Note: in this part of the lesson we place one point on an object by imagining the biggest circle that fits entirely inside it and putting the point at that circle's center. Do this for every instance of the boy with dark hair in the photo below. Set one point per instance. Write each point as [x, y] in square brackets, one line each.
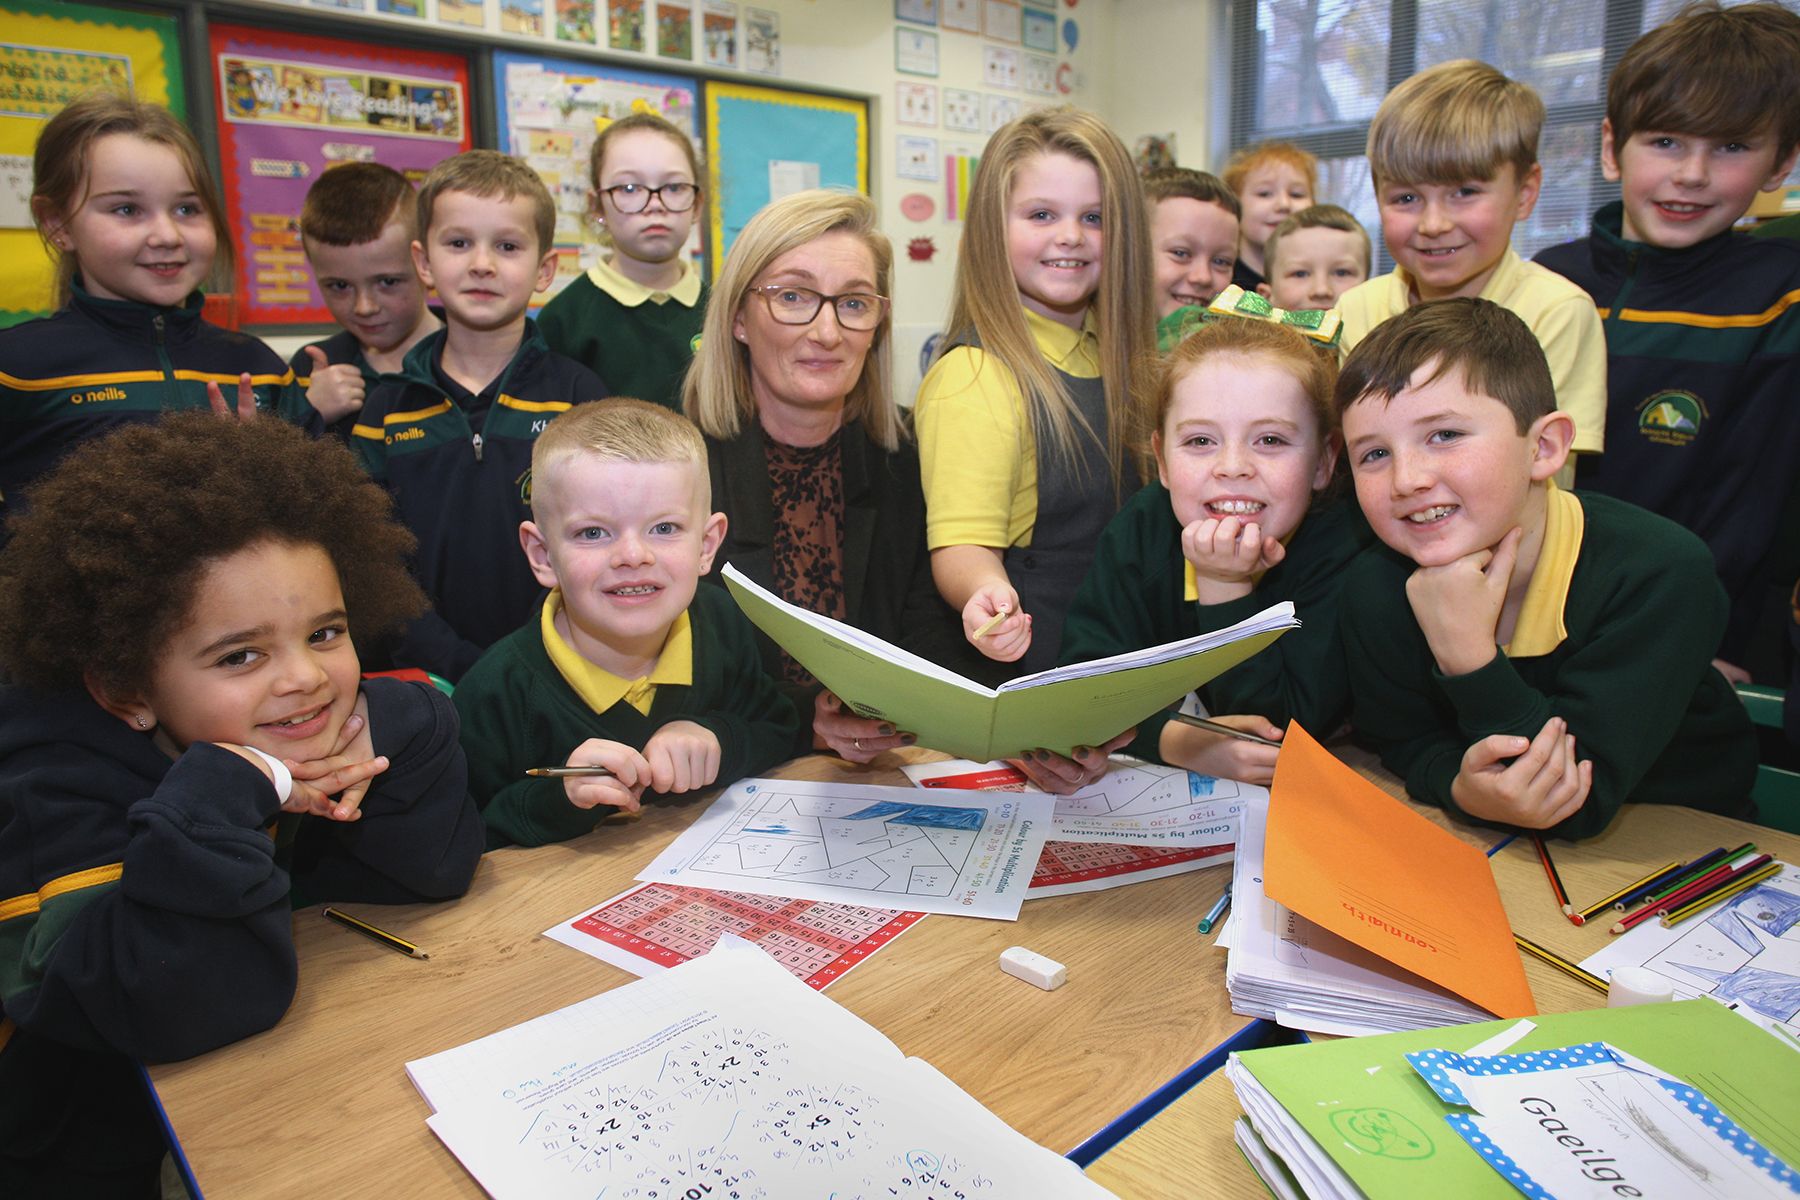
[1524, 656]
[1702, 335]
[629, 664]
[1454, 155]
[357, 229]
[451, 435]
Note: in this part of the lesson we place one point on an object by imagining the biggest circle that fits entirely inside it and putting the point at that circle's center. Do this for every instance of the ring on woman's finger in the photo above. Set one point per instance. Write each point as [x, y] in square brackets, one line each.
[857, 742]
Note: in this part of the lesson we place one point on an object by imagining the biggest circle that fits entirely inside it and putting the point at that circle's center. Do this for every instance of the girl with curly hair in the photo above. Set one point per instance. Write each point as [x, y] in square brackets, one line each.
[185, 742]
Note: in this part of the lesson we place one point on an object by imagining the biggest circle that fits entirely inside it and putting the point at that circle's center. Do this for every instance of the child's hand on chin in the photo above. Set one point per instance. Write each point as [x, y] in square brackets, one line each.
[344, 773]
[621, 789]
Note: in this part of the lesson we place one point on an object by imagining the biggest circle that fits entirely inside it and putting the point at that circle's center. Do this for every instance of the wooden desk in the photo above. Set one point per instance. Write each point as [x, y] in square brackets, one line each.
[1191, 1139]
[321, 1103]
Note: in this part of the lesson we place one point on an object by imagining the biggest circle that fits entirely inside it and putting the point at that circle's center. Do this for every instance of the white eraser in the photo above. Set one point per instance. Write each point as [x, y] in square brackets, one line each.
[1638, 985]
[1033, 968]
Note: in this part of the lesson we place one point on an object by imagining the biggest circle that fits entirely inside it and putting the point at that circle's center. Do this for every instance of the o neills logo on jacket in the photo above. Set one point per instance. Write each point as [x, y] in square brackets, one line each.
[405, 435]
[1671, 418]
[98, 395]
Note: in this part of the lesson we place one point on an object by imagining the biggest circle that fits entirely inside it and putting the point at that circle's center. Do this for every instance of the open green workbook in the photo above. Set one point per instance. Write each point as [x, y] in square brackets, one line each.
[1360, 1104]
[1082, 704]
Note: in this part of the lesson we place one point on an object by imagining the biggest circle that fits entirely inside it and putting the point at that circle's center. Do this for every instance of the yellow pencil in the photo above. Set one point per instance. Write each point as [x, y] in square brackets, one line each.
[988, 625]
[1599, 906]
[374, 934]
[1671, 919]
[1560, 963]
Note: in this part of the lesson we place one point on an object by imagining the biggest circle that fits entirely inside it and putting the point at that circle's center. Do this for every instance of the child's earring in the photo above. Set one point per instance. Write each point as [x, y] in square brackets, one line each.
[143, 722]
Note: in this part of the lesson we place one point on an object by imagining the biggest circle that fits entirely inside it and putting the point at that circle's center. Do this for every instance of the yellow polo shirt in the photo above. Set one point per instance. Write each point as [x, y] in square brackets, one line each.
[977, 455]
[1560, 314]
[631, 293]
[1540, 628]
[599, 688]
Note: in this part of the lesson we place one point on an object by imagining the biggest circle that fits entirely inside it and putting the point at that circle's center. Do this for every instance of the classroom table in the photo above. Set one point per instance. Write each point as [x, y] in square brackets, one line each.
[1191, 1139]
[321, 1104]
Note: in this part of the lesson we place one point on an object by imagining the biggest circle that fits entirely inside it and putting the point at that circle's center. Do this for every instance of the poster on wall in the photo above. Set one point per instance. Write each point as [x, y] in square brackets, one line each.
[762, 41]
[575, 21]
[290, 106]
[625, 24]
[675, 29]
[548, 111]
[50, 54]
[472, 13]
[719, 24]
[523, 17]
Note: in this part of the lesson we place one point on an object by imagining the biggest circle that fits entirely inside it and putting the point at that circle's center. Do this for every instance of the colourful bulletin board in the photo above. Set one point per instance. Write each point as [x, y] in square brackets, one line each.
[289, 107]
[767, 142]
[50, 53]
[548, 111]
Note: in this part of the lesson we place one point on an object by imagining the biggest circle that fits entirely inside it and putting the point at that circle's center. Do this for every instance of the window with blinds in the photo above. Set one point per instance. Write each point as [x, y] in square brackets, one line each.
[1313, 72]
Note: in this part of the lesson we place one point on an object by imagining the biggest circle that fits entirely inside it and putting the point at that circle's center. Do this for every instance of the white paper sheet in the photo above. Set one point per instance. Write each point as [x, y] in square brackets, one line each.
[1135, 803]
[722, 1077]
[1745, 953]
[967, 853]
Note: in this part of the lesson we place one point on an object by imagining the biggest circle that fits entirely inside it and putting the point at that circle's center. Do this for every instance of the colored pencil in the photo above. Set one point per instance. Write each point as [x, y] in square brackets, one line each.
[988, 625]
[374, 934]
[1597, 907]
[1642, 892]
[1216, 911]
[579, 772]
[1719, 876]
[1701, 869]
[1556, 884]
[1742, 883]
[1228, 731]
[1560, 963]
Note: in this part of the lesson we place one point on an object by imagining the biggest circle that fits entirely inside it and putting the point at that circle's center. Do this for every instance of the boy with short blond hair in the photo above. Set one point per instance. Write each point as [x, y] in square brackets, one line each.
[629, 664]
[357, 229]
[451, 435]
[1524, 656]
[1453, 152]
[1314, 257]
[1702, 335]
[1193, 236]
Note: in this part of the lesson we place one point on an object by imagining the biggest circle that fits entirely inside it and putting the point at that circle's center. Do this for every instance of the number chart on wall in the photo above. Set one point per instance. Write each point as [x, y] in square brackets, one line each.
[290, 107]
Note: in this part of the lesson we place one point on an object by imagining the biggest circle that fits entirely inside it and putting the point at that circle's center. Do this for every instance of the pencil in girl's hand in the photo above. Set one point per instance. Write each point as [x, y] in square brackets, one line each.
[1227, 730]
[575, 772]
[988, 626]
[1556, 884]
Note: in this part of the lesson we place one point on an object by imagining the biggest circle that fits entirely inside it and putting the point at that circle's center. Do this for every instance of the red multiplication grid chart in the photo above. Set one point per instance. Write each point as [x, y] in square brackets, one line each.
[818, 942]
[1079, 862]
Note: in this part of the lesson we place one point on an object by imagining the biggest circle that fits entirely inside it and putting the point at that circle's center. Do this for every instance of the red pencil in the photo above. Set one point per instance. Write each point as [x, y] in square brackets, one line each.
[1721, 876]
[1556, 884]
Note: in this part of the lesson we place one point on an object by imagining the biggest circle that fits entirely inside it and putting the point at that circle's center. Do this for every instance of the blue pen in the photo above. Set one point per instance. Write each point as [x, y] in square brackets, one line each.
[1218, 910]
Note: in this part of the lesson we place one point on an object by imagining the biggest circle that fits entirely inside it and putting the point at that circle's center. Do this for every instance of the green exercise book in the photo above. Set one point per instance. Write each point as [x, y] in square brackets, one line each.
[1362, 1104]
[1082, 704]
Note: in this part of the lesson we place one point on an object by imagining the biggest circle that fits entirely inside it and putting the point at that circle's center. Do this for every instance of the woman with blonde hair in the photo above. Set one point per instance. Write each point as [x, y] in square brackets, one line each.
[811, 460]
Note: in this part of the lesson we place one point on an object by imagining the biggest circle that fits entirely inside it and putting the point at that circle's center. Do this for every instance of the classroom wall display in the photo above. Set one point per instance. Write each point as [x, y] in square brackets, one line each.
[1000, 19]
[762, 41]
[959, 173]
[719, 33]
[522, 17]
[575, 21]
[922, 12]
[916, 104]
[766, 142]
[401, 8]
[1039, 31]
[997, 111]
[962, 110]
[472, 13]
[1040, 75]
[51, 54]
[292, 105]
[915, 52]
[548, 110]
[961, 15]
[916, 158]
[1000, 67]
[675, 29]
[625, 24]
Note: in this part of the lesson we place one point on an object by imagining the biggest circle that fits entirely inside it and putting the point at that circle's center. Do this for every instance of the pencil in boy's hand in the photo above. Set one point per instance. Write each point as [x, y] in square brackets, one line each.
[576, 772]
[992, 622]
[1227, 730]
[374, 934]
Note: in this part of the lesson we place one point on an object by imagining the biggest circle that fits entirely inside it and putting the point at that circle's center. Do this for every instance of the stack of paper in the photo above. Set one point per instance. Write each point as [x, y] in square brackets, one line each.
[1659, 1100]
[1083, 704]
[1284, 968]
[1356, 915]
[725, 1076]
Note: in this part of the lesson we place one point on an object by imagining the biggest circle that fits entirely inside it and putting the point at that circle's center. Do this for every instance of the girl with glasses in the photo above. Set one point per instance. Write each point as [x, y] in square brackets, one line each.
[632, 318]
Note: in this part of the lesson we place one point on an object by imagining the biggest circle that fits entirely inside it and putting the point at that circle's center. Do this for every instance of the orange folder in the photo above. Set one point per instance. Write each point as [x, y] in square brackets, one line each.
[1346, 855]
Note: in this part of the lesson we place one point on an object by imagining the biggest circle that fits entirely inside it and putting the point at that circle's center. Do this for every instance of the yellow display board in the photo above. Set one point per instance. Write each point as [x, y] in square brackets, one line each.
[51, 53]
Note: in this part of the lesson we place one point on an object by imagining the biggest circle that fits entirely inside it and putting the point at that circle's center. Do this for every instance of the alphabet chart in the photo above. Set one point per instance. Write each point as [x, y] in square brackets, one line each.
[725, 1078]
[657, 925]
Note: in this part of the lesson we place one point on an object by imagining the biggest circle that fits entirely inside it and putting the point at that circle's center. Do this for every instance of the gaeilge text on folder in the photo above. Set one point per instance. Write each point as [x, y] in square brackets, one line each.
[1082, 704]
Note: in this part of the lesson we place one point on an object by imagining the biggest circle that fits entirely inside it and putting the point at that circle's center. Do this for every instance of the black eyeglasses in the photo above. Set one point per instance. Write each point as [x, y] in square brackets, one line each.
[635, 197]
[792, 305]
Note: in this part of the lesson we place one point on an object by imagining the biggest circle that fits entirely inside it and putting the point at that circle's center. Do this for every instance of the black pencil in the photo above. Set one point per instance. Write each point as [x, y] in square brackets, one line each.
[375, 934]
